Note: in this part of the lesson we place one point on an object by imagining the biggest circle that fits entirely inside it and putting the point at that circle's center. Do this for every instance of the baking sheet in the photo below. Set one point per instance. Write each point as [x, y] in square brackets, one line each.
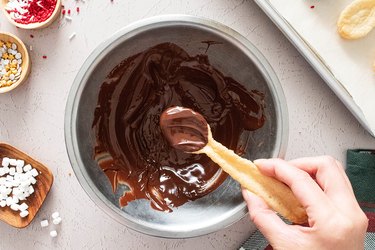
[345, 65]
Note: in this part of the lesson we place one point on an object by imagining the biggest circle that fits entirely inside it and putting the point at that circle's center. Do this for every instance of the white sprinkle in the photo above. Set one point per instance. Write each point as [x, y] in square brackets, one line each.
[53, 233]
[24, 213]
[55, 215]
[68, 18]
[44, 223]
[72, 36]
[31, 47]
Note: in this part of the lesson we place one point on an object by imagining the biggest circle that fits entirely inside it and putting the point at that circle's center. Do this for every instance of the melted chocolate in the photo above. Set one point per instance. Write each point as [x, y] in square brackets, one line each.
[130, 146]
[184, 129]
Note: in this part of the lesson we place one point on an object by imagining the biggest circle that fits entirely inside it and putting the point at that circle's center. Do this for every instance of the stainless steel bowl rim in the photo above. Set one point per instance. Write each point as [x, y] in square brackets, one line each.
[77, 88]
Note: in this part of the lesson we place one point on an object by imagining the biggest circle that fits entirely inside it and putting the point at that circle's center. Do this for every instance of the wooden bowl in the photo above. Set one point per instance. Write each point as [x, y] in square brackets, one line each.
[30, 26]
[41, 187]
[26, 63]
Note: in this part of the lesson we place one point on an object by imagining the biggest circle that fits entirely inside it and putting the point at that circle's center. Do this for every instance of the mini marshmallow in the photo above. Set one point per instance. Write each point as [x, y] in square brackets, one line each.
[3, 203]
[32, 180]
[5, 162]
[6, 170]
[13, 162]
[15, 200]
[53, 233]
[20, 163]
[19, 170]
[16, 184]
[31, 190]
[57, 221]
[23, 207]
[24, 213]
[44, 223]
[9, 201]
[34, 172]
[14, 207]
[12, 171]
[55, 215]
[27, 168]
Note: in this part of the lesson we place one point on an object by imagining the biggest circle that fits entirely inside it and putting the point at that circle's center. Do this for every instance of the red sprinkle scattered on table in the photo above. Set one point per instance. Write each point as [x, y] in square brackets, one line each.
[68, 12]
[77, 9]
[32, 36]
[63, 12]
[312, 7]
[44, 57]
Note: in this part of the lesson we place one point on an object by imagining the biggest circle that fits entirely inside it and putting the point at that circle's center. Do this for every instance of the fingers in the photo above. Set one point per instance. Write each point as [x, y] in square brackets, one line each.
[330, 176]
[342, 170]
[263, 217]
[306, 190]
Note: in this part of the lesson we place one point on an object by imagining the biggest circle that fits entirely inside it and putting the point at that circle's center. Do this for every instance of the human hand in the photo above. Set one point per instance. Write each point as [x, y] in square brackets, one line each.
[335, 219]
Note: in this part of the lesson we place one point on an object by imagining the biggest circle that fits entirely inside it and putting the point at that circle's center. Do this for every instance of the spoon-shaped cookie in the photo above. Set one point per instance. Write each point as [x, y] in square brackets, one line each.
[188, 131]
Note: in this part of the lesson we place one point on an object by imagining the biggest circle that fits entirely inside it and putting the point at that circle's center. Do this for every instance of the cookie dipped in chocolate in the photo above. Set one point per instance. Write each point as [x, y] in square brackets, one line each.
[184, 129]
[130, 146]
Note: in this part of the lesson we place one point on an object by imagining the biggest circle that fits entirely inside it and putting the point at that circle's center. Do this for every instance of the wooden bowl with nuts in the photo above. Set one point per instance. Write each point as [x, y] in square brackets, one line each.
[15, 64]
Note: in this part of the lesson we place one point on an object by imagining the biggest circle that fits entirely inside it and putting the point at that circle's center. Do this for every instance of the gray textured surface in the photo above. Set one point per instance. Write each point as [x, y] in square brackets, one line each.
[32, 116]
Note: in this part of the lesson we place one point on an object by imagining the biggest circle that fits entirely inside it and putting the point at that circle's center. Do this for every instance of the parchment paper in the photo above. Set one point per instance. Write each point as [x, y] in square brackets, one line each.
[350, 61]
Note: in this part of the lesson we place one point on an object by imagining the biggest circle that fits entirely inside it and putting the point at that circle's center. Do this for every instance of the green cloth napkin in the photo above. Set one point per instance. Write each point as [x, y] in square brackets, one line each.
[361, 172]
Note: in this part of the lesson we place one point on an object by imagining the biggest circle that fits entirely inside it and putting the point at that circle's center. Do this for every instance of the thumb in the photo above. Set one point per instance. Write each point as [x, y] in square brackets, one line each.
[263, 217]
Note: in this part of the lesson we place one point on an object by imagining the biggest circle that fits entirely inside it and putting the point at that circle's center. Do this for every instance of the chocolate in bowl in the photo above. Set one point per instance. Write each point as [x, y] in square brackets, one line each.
[126, 124]
[232, 55]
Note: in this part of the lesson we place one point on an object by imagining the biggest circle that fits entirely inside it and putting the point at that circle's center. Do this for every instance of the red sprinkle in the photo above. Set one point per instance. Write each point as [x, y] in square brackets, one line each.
[44, 57]
[69, 12]
[32, 36]
[63, 12]
[312, 7]
[78, 9]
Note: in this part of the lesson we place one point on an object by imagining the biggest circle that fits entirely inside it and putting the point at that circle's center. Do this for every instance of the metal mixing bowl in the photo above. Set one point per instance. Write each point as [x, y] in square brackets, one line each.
[235, 57]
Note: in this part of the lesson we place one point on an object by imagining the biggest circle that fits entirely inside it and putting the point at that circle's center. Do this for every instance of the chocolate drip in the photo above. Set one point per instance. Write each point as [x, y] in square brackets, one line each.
[130, 146]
